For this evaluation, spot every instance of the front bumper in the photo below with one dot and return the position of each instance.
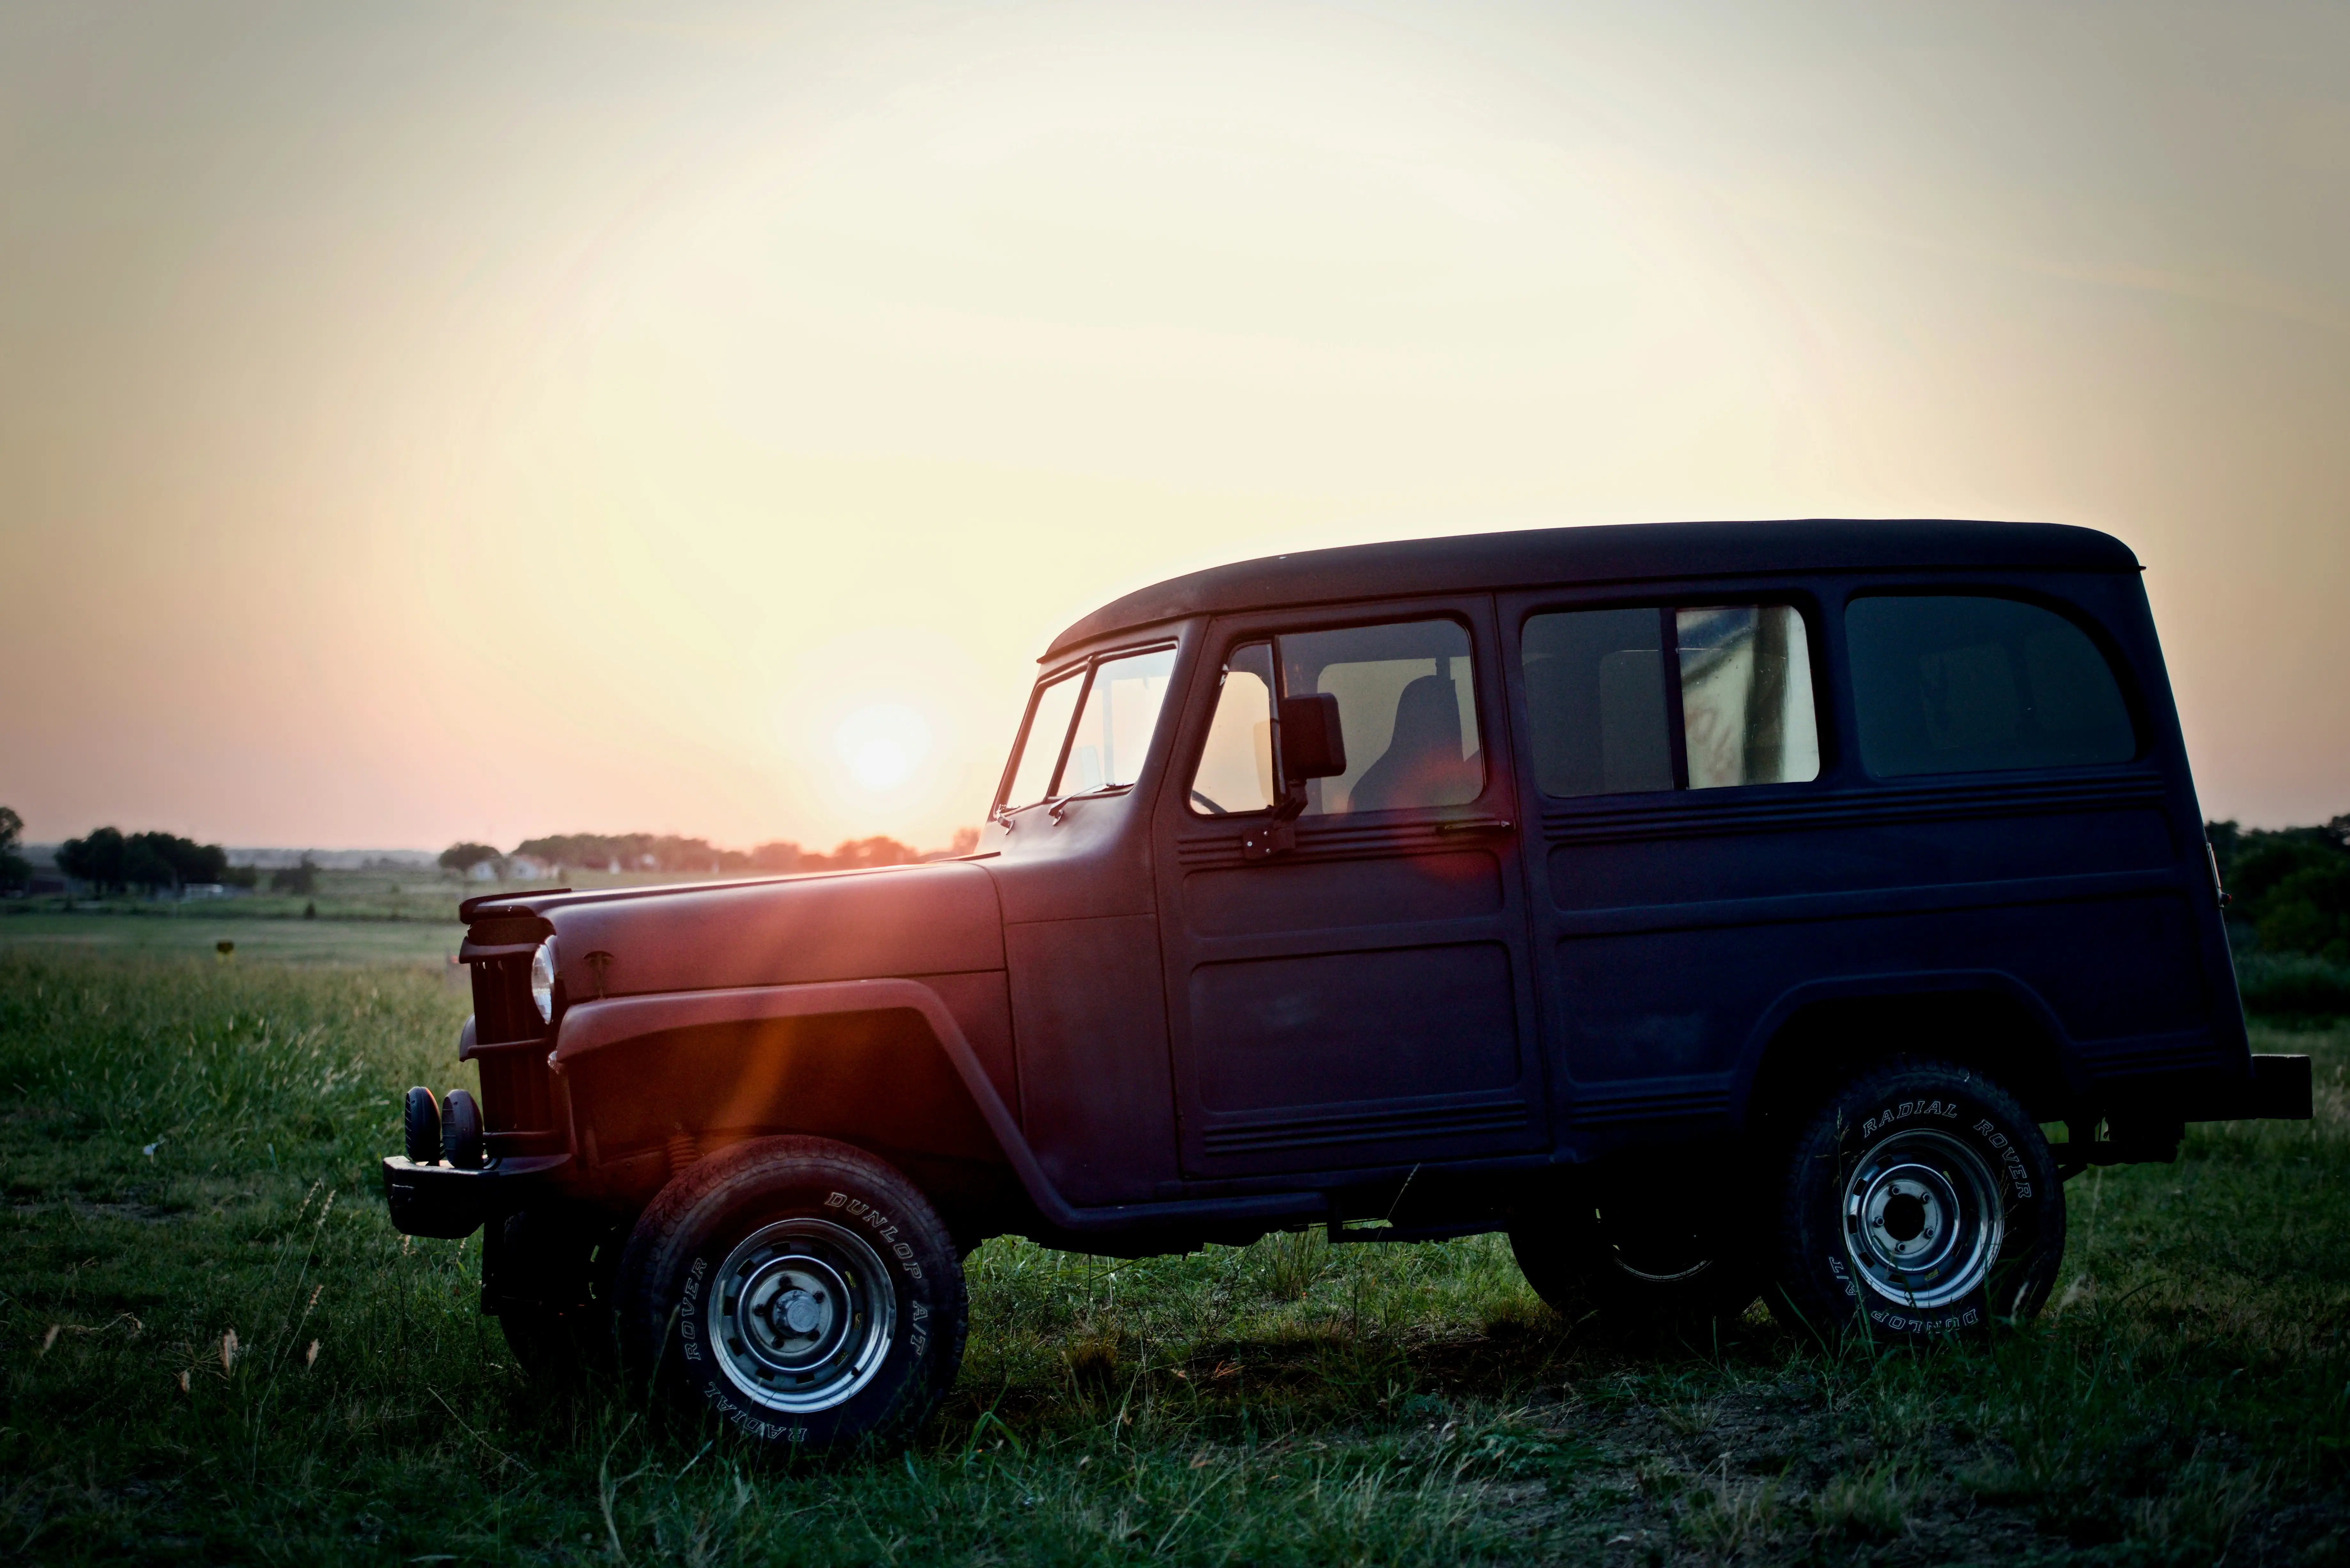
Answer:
(444, 1201)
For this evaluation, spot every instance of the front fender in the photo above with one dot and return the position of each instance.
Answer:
(592, 1030)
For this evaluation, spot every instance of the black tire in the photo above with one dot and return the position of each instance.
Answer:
(461, 1130)
(1922, 1201)
(1661, 1255)
(800, 1289)
(553, 1284)
(420, 1126)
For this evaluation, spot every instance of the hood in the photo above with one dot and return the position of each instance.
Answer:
(854, 925)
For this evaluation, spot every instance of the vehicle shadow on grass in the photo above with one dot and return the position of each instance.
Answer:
(1533, 1436)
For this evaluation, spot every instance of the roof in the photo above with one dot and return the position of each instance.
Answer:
(1609, 554)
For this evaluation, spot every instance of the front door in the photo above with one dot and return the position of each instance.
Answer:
(1360, 996)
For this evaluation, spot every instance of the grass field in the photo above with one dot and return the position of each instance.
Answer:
(187, 932)
(427, 897)
(213, 1347)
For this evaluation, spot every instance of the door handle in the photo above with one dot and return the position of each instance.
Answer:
(1271, 840)
(1475, 824)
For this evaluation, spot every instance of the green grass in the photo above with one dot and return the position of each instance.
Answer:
(2186, 1398)
(196, 929)
(379, 895)
(428, 897)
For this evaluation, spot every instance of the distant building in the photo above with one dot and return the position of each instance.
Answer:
(510, 868)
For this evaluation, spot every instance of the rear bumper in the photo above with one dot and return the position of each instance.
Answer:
(2278, 1090)
(445, 1201)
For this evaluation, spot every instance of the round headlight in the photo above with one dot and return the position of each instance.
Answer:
(542, 980)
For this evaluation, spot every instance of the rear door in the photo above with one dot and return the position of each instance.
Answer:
(1363, 998)
(1662, 739)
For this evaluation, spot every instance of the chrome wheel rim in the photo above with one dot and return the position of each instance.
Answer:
(1653, 1277)
(802, 1316)
(1654, 1255)
(1922, 1222)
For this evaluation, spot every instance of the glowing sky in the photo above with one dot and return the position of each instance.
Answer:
(424, 422)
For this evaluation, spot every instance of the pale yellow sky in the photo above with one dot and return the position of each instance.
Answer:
(425, 421)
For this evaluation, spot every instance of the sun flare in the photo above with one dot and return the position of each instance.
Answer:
(882, 744)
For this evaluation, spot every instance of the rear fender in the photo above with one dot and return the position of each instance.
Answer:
(1810, 1031)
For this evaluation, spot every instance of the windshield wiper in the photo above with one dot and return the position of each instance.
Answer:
(1065, 802)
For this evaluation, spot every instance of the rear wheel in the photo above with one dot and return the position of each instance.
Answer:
(1664, 1248)
(800, 1289)
(1922, 1201)
(552, 1274)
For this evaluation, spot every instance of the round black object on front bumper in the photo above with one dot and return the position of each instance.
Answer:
(421, 1118)
(444, 1201)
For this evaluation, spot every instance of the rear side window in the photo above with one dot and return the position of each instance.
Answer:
(1689, 697)
(1970, 683)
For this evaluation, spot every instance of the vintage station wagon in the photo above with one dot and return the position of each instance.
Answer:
(1721, 910)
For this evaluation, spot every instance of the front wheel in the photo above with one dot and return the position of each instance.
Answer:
(1922, 1201)
(800, 1289)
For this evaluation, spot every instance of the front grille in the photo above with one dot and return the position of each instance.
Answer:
(510, 1047)
(517, 1092)
(503, 1010)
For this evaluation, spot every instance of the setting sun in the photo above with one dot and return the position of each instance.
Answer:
(882, 744)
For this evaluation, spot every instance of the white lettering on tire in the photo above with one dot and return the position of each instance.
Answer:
(1906, 1109)
(2018, 1179)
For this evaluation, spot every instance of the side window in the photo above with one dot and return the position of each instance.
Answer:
(1970, 683)
(1040, 746)
(1407, 713)
(1746, 695)
(1702, 697)
(1115, 725)
(1235, 771)
(1407, 708)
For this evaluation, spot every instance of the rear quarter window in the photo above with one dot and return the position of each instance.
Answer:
(1972, 683)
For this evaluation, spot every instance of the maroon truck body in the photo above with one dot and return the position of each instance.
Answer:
(1525, 942)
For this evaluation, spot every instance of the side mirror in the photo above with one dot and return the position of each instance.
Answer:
(1312, 745)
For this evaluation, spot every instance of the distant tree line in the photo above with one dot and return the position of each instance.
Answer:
(2290, 885)
(667, 852)
(113, 861)
(15, 869)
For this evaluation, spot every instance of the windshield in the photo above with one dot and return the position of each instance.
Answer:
(1114, 731)
(1040, 746)
(1122, 701)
